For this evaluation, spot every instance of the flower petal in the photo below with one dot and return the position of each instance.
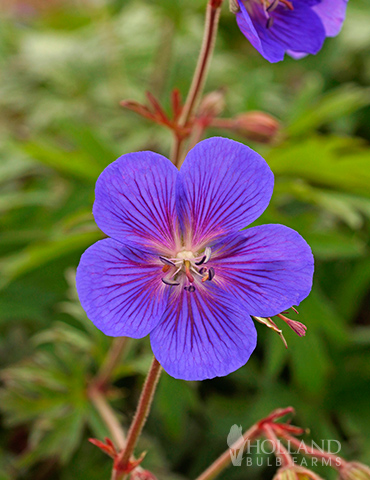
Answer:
(269, 268)
(203, 334)
(273, 52)
(299, 30)
(332, 14)
(135, 200)
(120, 289)
(223, 186)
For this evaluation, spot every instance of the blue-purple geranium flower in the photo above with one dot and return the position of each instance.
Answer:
(297, 27)
(178, 267)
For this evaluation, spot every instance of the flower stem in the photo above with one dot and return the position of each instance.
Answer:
(199, 78)
(111, 361)
(210, 32)
(139, 419)
(176, 150)
(279, 450)
(305, 450)
(109, 417)
(225, 459)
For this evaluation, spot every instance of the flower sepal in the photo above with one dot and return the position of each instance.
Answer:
(271, 324)
(354, 471)
(295, 472)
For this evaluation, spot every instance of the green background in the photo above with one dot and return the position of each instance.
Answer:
(64, 68)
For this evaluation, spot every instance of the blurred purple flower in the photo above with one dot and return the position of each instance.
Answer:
(297, 27)
(177, 265)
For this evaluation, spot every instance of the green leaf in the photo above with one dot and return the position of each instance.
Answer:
(76, 164)
(38, 254)
(329, 246)
(335, 104)
(341, 163)
(174, 413)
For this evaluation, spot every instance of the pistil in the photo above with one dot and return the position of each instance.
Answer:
(187, 271)
(186, 262)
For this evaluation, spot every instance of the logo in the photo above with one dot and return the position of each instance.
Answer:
(236, 444)
(258, 452)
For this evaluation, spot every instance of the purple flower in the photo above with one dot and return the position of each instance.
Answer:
(178, 266)
(297, 27)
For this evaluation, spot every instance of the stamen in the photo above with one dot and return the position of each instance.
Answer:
(187, 271)
(168, 281)
(203, 270)
(272, 6)
(206, 257)
(207, 253)
(270, 22)
(166, 261)
(165, 268)
(201, 261)
(190, 288)
(287, 4)
(211, 274)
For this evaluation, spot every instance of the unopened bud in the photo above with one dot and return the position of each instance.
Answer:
(140, 474)
(298, 327)
(234, 6)
(258, 126)
(212, 104)
(294, 472)
(354, 471)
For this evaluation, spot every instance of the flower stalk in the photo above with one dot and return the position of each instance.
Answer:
(279, 450)
(224, 460)
(121, 465)
(108, 416)
(258, 429)
(200, 75)
(209, 39)
(111, 361)
(306, 450)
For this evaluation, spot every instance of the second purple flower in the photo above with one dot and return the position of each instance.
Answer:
(296, 27)
(178, 267)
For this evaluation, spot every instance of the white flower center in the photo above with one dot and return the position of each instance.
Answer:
(187, 264)
(185, 255)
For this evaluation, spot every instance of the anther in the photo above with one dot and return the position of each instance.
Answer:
(272, 6)
(206, 257)
(207, 253)
(211, 273)
(170, 282)
(202, 270)
(190, 288)
(270, 22)
(201, 261)
(166, 261)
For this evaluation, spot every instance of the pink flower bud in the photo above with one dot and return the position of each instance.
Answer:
(294, 472)
(258, 126)
(140, 474)
(354, 471)
(212, 104)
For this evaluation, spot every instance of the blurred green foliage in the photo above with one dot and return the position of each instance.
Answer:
(65, 67)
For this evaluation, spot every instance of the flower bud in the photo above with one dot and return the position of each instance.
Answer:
(234, 6)
(354, 471)
(295, 472)
(140, 474)
(212, 104)
(258, 126)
